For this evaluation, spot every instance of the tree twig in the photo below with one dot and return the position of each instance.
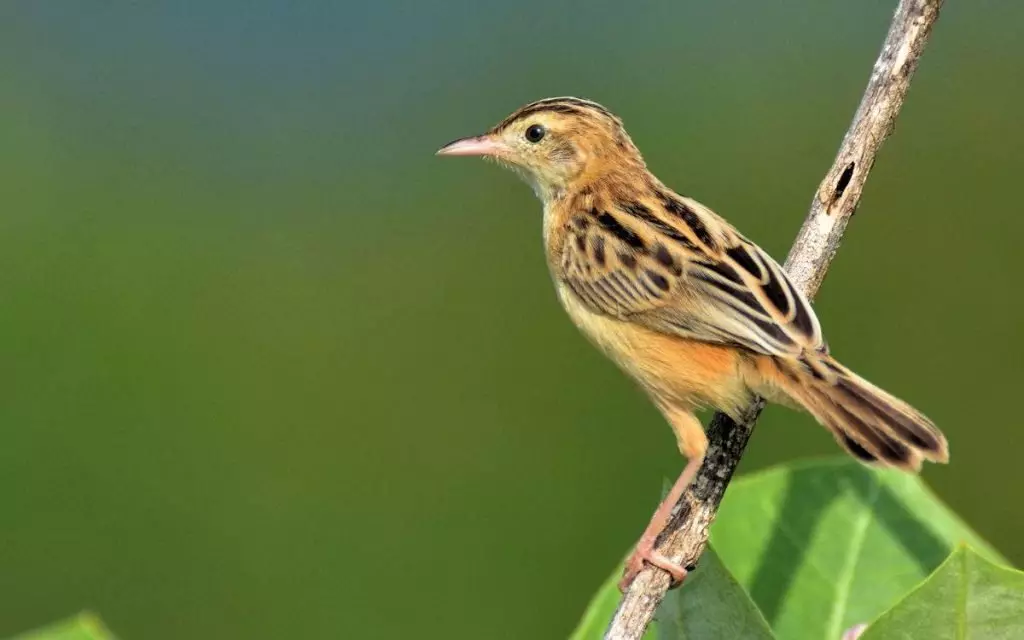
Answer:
(831, 208)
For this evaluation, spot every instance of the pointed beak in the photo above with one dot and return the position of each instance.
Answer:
(475, 146)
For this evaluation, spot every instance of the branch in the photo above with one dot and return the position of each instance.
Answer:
(834, 203)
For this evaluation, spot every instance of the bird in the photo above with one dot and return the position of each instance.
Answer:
(697, 314)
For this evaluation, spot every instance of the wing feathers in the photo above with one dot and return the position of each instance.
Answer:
(670, 264)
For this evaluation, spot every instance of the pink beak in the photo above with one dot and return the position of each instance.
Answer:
(475, 146)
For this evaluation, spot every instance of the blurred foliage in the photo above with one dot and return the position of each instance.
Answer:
(824, 546)
(84, 626)
(267, 363)
(602, 606)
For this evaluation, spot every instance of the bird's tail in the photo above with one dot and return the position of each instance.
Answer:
(874, 426)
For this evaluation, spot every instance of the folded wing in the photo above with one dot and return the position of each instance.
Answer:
(672, 265)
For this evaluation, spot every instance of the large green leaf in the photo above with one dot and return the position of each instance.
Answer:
(966, 598)
(823, 546)
(84, 626)
(711, 605)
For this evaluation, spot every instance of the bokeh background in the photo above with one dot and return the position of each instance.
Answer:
(269, 369)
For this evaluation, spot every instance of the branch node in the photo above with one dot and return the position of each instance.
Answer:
(844, 181)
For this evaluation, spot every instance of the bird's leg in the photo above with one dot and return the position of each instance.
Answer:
(693, 444)
(644, 550)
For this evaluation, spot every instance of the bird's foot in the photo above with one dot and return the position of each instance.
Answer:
(646, 553)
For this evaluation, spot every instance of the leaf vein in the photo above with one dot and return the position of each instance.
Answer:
(845, 582)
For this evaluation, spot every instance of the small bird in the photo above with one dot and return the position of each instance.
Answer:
(695, 312)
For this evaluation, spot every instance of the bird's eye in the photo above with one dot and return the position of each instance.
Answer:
(535, 133)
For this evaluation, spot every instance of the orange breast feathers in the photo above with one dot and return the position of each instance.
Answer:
(684, 372)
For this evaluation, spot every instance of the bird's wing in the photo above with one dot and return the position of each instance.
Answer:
(670, 264)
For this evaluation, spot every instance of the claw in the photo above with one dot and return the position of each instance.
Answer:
(646, 553)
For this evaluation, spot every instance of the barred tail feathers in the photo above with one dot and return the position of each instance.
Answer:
(872, 425)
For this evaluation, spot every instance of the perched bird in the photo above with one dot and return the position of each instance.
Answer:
(695, 312)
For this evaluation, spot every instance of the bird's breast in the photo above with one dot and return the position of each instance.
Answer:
(611, 336)
(630, 346)
(669, 367)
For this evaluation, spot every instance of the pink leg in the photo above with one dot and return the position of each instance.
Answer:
(693, 445)
(644, 550)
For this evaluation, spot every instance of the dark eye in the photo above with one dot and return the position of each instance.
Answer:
(535, 132)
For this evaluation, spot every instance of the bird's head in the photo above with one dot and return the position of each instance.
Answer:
(555, 144)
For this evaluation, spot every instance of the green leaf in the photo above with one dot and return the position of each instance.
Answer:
(710, 605)
(823, 546)
(84, 626)
(967, 597)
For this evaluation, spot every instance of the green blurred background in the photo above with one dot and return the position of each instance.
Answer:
(270, 369)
